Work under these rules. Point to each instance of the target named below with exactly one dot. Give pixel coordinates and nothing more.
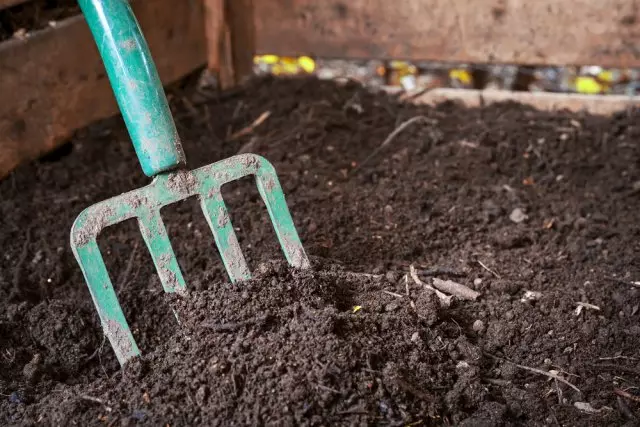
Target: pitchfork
(146, 113)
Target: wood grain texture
(54, 82)
(593, 104)
(579, 32)
(4, 4)
(229, 25)
(240, 18)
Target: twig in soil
(91, 399)
(623, 282)
(497, 381)
(626, 395)
(232, 326)
(536, 371)
(581, 305)
(445, 300)
(406, 284)
(391, 137)
(393, 294)
(624, 408)
(248, 129)
(489, 270)
(365, 275)
(324, 387)
(457, 289)
(618, 357)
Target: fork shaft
(135, 83)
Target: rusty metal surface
(558, 32)
(54, 82)
(4, 4)
(594, 104)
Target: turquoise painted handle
(136, 84)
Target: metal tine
(225, 237)
(105, 299)
(155, 236)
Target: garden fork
(140, 96)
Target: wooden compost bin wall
(524, 32)
(532, 32)
(54, 82)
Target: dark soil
(34, 15)
(291, 347)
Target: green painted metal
(136, 84)
(144, 204)
(141, 98)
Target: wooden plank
(533, 32)
(5, 4)
(54, 82)
(229, 25)
(593, 104)
(240, 18)
(219, 62)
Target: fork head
(145, 203)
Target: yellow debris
(588, 85)
(608, 76)
(356, 308)
(463, 76)
(267, 59)
(277, 69)
(307, 64)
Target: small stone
(391, 276)
(31, 370)
(517, 215)
(201, 395)
(636, 186)
(388, 209)
(477, 282)
(463, 365)
(415, 337)
(392, 306)
(478, 325)
(509, 315)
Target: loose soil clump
(535, 211)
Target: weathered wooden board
(593, 104)
(54, 82)
(8, 3)
(578, 32)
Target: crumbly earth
(536, 211)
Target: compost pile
(537, 212)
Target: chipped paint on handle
(145, 203)
(136, 84)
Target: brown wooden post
(241, 24)
(231, 43)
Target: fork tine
(104, 297)
(229, 248)
(157, 240)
